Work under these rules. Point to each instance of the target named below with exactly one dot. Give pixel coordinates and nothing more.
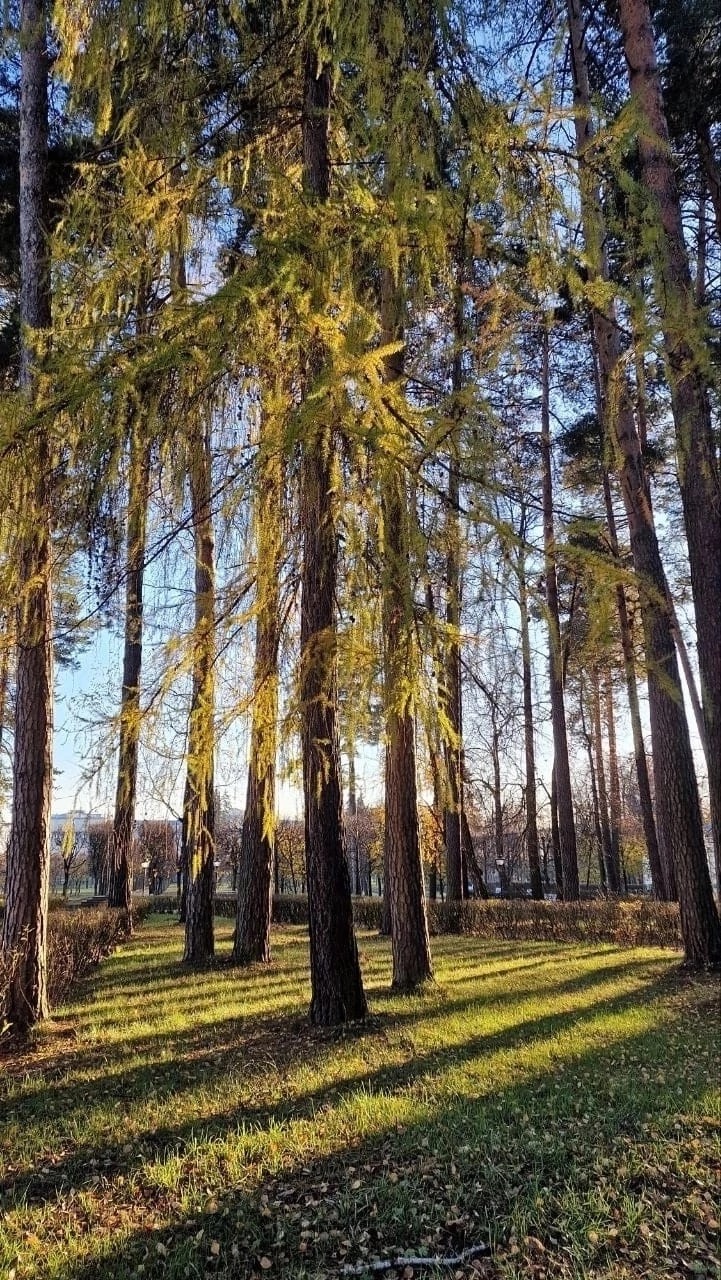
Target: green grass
(560, 1102)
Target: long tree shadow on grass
(276, 1045)
(241, 1037)
(433, 1176)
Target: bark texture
(532, 842)
(257, 846)
(629, 664)
(614, 784)
(200, 813)
(336, 983)
(611, 877)
(24, 929)
(562, 771)
(409, 929)
(679, 814)
(451, 684)
(120, 894)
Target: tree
(698, 465)
(199, 806)
(561, 768)
(121, 874)
(337, 987)
(404, 887)
(24, 930)
(680, 825)
(532, 843)
(257, 848)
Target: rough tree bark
(598, 827)
(532, 843)
(698, 465)
(678, 808)
(24, 930)
(409, 928)
(200, 813)
(336, 983)
(564, 798)
(255, 868)
(121, 887)
(613, 878)
(629, 663)
(451, 687)
(614, 784)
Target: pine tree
(699, 475)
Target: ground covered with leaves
(558, 1102)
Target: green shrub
(641, 922)
(79, 937)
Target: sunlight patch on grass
(517, 1099)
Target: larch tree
(257, 848)
(24, 929)
(403, 861)
(337, 986)
(200, 790)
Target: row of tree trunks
(336, 982)
(680, 827)
(24, 930)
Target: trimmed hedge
(641, 922)
(78, 939)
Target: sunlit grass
(557, 1101)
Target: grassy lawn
(559, 1102)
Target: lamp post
(501, 865)
(144, 867)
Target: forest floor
(560, 1103)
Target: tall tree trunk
(598, 828)
(353, 815)
(613, 879)
(406, 893)
(337, 986)
(699, 475)
(199, 941)
(24, 927)
(614, 785)
(498, 845)
(556, 836)
(566, 824)
(679, 812)
(532, 846)
(255, 868)
(712, 172)
(451, 683)
(629, 663)
(121, 875)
